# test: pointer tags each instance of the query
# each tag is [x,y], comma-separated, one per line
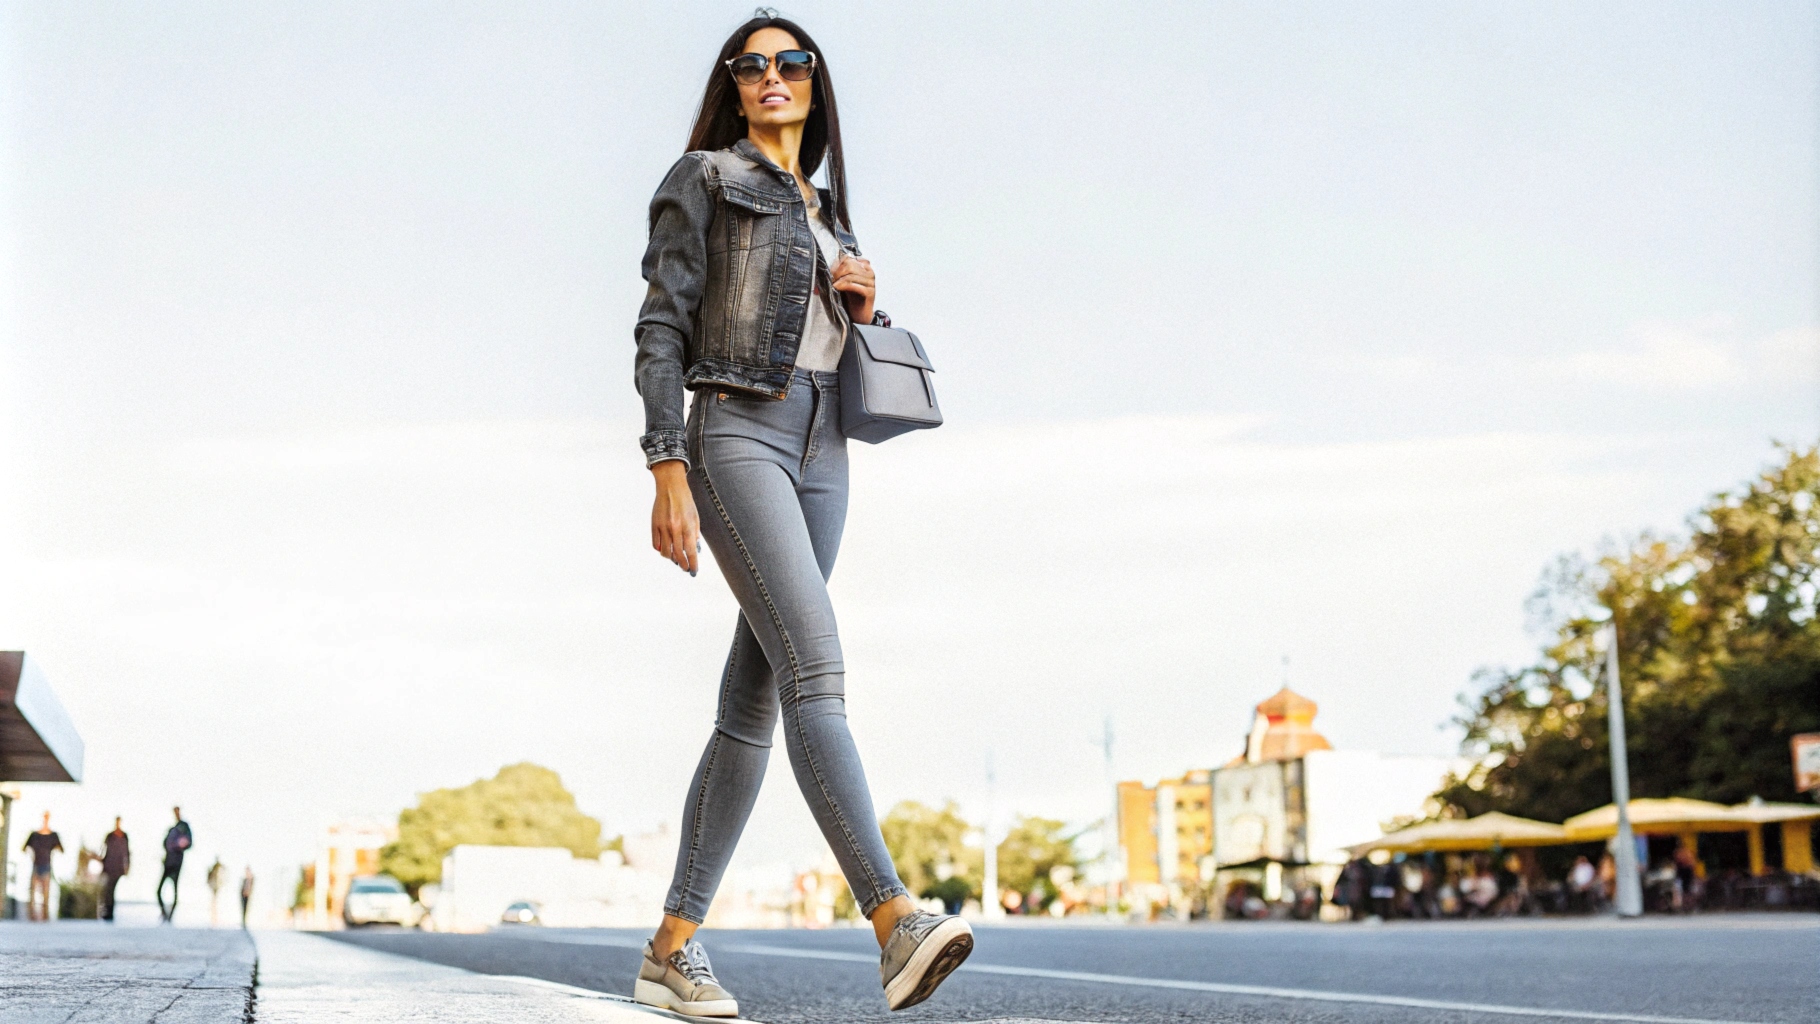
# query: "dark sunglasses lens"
[748,68]
[795,65]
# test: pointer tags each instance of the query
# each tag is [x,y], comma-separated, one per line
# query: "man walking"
[217,877]
[116,860]
[246,893]
[42,844]
[176,841]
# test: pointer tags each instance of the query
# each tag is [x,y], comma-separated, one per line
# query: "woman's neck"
[781,144]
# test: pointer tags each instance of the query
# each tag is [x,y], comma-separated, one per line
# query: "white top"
[825,328]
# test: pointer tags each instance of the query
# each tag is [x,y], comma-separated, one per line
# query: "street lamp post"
[1630,889]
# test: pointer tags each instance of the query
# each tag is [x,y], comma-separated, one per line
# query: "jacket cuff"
[664,445]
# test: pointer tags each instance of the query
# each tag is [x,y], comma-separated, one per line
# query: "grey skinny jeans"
[770,483]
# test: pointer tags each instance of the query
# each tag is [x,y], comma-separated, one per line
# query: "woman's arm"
[675,268]
[853,277]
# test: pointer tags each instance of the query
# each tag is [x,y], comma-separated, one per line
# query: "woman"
[753,279]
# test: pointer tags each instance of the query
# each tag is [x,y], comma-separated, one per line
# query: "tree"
[1719,649]
[1030,852]
[524,805]
[928,847]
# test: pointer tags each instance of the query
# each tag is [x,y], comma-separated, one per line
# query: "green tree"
[1719,649]
[524,805]
[1032,849]
[928,847]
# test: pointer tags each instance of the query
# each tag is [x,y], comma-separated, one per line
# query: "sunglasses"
[792,66]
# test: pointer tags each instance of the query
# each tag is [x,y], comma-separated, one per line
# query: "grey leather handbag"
[885,388]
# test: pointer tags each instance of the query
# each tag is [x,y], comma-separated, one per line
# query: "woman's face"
[772,101]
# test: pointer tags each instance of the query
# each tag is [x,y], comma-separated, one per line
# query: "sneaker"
[922,951]
[684,983]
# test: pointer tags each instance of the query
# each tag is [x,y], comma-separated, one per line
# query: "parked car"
[378,899]
[522,912]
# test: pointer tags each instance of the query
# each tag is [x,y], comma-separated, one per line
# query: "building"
[1281,814]
[350,848]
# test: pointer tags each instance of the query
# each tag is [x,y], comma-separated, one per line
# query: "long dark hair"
[718,124]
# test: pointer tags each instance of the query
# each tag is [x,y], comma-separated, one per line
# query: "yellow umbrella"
[1655,817]
[1768,814]
[1481,833]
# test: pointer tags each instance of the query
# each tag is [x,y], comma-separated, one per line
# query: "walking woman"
[754,277]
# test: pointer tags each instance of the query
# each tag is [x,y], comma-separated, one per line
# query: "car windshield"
[377,885]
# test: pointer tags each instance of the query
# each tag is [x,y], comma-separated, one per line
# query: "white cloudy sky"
[1263,329]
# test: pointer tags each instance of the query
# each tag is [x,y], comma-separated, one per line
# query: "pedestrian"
[176,841]
[216,877]
[1687,881]
[246,893]
[41,844]
[753,278]
[1581,880]
[116,861]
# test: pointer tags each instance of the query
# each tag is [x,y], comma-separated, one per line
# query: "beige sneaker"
[684,983]
[922,951]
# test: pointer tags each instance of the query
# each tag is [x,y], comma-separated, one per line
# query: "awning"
[1656,817]
[1761,813]
[37,741]
[1494,829]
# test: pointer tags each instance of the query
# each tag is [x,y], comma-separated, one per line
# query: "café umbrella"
[1485,832]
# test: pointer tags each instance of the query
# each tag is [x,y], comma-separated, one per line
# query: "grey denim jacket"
[729,267]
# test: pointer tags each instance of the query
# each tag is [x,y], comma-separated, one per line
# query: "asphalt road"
[1763,969]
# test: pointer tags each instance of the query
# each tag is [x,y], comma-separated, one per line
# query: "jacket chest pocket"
[750,219]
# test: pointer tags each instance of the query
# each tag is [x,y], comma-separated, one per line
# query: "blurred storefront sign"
[1806,751]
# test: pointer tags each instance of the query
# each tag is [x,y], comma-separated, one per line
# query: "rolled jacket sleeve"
[675,268]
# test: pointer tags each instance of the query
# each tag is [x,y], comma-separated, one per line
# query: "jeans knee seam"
[795,672]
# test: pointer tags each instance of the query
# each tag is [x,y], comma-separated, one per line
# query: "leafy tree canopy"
[1718,650]
[524,805]
[928,846]
[1032,849]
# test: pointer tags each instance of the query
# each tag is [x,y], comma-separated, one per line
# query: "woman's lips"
[778,97]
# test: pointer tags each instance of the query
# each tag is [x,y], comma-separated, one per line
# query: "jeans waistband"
[816,378]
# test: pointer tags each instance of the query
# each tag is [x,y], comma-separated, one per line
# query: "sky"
[1263,331]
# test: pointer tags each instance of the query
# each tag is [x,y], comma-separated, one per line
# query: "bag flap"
[893,345]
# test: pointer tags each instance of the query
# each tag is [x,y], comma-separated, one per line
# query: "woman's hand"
[853,276]
[675,528]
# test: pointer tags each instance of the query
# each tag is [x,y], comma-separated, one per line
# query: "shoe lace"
[692,962]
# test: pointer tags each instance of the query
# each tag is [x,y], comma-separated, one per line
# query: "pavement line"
[1305,994]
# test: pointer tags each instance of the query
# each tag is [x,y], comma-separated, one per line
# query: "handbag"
[885,388]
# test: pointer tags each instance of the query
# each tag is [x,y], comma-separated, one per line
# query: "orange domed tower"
[1284,729]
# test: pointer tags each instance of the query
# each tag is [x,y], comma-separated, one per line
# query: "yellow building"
[1166,830]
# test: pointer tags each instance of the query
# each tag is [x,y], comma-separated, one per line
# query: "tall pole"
[1630,888]
[1109,836]
[990,907]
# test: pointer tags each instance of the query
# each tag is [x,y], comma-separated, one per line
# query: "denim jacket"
[729,267]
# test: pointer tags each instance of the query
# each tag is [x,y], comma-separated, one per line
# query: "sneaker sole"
[650,993]
[935,958]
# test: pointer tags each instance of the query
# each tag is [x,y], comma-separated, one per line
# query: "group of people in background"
[117,861]
[1496,884]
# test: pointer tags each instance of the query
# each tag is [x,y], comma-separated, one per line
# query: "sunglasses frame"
[814,62]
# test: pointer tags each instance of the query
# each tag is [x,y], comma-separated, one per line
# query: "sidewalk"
[86,972]
[307,979]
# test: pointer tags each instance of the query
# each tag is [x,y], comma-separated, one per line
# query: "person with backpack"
[176,842]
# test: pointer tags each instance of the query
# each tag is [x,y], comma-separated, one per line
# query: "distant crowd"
[116,861]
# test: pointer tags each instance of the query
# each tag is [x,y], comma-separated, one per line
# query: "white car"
[378,899]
